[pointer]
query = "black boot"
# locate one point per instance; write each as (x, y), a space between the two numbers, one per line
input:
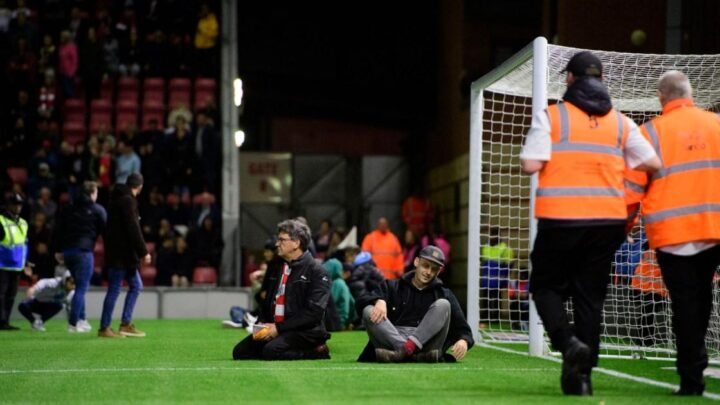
(575, 379)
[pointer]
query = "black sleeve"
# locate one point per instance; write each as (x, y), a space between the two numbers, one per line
(317, 301)
(132, 223)
(459, 328)
(377, 291)
(100, 219)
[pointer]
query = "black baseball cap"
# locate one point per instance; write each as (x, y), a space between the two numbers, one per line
(584, 63)
(433, 254)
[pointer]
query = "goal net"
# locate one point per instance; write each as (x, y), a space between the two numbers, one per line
(636, 321)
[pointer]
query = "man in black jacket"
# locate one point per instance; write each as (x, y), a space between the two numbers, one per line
(124, 248)
(293, 323)
(415, 318)
(75, 235)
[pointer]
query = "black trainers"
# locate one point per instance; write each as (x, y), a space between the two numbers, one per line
(389, 356)
(690, 390)
(576, 362)
(430, 356)
(7, 326)
(322, 352)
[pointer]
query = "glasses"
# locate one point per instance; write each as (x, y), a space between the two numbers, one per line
(280, 240)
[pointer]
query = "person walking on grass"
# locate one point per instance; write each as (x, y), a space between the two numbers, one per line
(124, 249)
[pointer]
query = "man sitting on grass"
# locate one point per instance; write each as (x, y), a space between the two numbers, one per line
(295, 306)
(415, 318)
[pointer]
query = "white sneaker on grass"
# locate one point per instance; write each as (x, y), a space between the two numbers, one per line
(38, 325)
(231, 324)
(77, 329)
(84, 325)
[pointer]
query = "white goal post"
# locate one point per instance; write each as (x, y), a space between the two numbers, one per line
(501, 198)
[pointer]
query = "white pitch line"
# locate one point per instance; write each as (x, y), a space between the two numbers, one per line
(178, 369)
(606, 371)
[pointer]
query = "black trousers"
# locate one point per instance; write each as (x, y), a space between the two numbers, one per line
(46, 310)
(287, 346)
(689, 279)
(573, 262)
(8, 291)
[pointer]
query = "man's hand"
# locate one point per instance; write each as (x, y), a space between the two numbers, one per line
(272, 331)
(31, 292)
(28, 270)
(60, 257)
(379, 312)
(459, 349)
(148, 258)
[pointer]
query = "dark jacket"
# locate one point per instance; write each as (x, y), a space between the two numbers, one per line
(307, 294)
(590, 95)
(124, 243)
(363, 278)
(79, 225)
(397, 293)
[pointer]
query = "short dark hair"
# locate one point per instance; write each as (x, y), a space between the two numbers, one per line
(89, 187)
(296, 230)
(134, 180)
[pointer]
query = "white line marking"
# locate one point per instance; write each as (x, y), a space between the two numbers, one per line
(178, 369)
(609, 372)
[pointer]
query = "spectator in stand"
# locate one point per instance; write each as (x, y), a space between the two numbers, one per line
(181, 273)
(181, 54)
(164, 260)
(44, 179)
(415, 318)
(207, 208)
(39, 251)
(385, 249)
(364, 275)
(15, 148)
(47, 97)
(22, 66)
(78, 228)
(130, 60)
(76, 170)
(111, 55)
(13, 257)
(22, 28)
(124, 249)
(296, 330)
(207, 150)
(48, 55)
(106, 170)
(410, 250)
(45, 204)
(46, 298)
(127, 162)
(206, 244)
(24, 109)
(322, 239)
(177, 213)
(152, 211)
(68, 63)
(5, 18)
(210, 108)
(155, 55)
(91, 65)
(342, 299)
(92, 160)
(180, 155)
(206, 42)
(152, 142)
(77, 26)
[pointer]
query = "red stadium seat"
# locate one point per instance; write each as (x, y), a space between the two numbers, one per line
(179, 98)
(126, 106)
(205, 84)
(106, 89)
(128, 95)
(74, 110)
(125, 120)
(202, 99)
(18, 175)
(148, 274)
(204, 276)
(153, 97)
(152, 111)
(100, 121)
(100, 106)
(179, 84)
(128, 83)
(74, 132)
(154, 83)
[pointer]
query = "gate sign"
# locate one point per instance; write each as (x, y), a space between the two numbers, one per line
(265, 177)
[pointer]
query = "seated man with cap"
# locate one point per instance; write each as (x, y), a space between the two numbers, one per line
(415, 318)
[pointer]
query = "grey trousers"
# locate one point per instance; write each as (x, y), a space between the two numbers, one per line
(430, 334)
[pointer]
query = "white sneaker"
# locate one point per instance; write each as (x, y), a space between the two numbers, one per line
(77, 329)
(231, 324)
(249, 319)
(38, 325)
(84, 325)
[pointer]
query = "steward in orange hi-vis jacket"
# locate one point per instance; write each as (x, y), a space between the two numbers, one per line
(580, 147)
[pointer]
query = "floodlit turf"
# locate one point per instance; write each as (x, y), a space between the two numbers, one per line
(190, 361)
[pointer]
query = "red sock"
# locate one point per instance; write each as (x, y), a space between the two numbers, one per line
(409, 347)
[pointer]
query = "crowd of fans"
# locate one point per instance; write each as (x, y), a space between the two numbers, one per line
(58, 50)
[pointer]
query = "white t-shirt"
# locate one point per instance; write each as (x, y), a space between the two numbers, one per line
(538, 143)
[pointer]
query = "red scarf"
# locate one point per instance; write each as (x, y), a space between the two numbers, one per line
(280, 296)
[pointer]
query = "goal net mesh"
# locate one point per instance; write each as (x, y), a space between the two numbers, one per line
(636, 319)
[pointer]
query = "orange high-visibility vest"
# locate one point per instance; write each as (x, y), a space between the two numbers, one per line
(584, 177)
(648, 278)
(682, 203)
(635, 185)
(386, 253)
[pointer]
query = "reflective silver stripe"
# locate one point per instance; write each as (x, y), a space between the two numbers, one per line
(621, 126)
(586, 147)
(634, 186)
(654, 137)
(564, 123)
(684, 167)
(579, 192)
(678, 212)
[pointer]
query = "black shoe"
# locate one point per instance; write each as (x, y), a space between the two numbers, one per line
(430, 356)
(322, 352)
(686, 390)
(7, 326)
(576, 362)
(389, 356)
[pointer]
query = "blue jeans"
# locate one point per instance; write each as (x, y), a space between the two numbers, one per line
(81, 266)
(116, 275)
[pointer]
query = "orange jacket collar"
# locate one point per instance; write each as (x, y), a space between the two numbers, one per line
(677, 103)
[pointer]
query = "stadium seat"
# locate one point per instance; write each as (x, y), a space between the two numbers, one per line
(204, 276)
(125, 120)
(202, 98)
(100, 106)
(100, 121)
(153, 111)
(128, 95)
(179, 84)
(18, 175)
(154, 83)
(148, 274)
(74, 131)
(128, 83)
(153, 97)
(74, 110)
(106, 89)
(178, 99)
(205, 84)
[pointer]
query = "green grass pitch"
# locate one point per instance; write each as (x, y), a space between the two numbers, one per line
(189, 361)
